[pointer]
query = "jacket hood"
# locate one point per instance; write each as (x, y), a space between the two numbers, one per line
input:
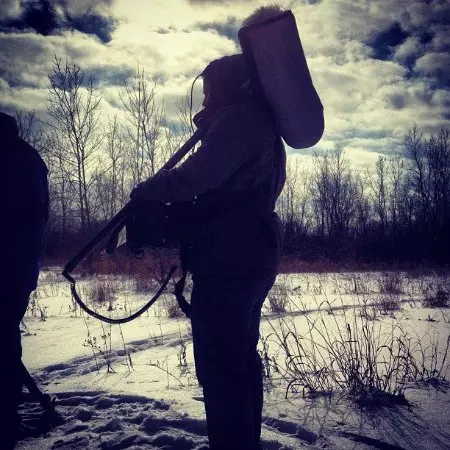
(227, 79)
(228, 72)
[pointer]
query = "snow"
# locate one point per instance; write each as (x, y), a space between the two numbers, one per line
(133, 386)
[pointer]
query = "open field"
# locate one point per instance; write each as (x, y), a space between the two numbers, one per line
(352, 361)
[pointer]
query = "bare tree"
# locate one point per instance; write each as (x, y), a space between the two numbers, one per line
(292, 205)
(362, 206)
(144, 119)
(176, 134)
(111, 186)
(438, 164)
(27, 123)
(62, 188)
(379, 189)
(399, 211)
(74, 107)
(429, 170)
(335, 194)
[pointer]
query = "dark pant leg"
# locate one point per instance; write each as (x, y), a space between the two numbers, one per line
(12, 309)
(255, 368)
(225, 327)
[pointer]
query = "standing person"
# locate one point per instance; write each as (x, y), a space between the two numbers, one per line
(235, 176)
(24, 203)
(238, 173)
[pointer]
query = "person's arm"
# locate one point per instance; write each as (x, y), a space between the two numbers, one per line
(232, 139)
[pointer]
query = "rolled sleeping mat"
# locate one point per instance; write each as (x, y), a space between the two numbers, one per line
(274, 53)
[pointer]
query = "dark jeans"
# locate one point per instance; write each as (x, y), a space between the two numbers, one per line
(12, 309)
(226, 312)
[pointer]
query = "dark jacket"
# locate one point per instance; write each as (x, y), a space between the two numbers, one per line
(241, 154)
(24, 200)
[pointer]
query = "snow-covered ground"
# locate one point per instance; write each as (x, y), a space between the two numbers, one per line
(134, 385)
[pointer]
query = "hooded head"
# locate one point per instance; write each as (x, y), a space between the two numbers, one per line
(225, 80)
(8, 127)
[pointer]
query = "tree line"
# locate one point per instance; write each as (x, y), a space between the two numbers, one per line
(397, 211)
(95, 161)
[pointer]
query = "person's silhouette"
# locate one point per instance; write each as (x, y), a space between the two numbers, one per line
(237, 174)
(24, 206)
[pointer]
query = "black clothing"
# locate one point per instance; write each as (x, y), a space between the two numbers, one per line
(225, 316)
(238, 172)
(240, 153)
(24, 200)
(24, 203)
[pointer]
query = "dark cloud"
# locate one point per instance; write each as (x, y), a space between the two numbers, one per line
(397, 101)
(425, 37)
(228, 29)
(424, 96)
(384, 43)
(76, 7)
(166, 30)
(435, 66)
(102, 27)
(364, 134)
(41, 16)
(109, 75)
(22, 58)
(421, 29)
(52, 17)
(36, 15)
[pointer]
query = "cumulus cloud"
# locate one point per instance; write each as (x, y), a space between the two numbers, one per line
(441, 39)
(14, 98)
(435, 65)
(22, 54)
(228, 29)
(409, 50)
(379, 67)
(9, 9)
(52, 17)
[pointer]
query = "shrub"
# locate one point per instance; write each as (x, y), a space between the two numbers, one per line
(278, 297)
(440, 300)
(390, 283)
(171, 309)
(360, 285)
(368, 311)
(386, 305)
(101, 291)
(143, 282)
(352, 354)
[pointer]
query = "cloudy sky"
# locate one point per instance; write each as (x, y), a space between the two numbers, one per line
(379, 66)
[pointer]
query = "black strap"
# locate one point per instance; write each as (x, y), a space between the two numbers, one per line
(181, 299)
(184, 253)
(114, 226)
(133, 316)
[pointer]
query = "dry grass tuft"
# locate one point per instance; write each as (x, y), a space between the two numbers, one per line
(388, 304)
(101, 291)
(353, 354)
(440, 300)
(391, 283)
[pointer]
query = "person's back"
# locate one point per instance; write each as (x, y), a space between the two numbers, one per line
(24, 205)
